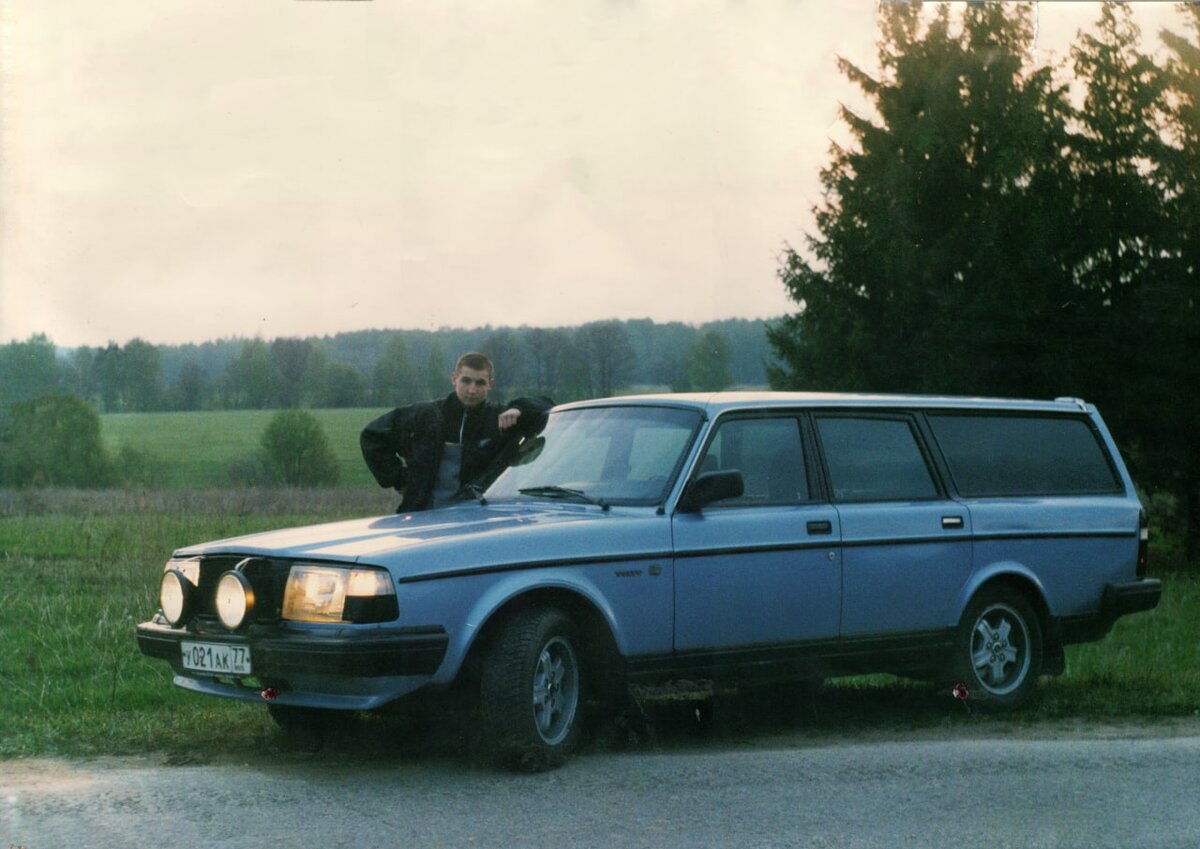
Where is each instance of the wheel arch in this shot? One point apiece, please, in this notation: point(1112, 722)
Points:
point(599, 644)
point(1024, 582)
point(1016, 578)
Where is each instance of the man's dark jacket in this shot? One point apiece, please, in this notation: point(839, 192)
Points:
point(417, 433)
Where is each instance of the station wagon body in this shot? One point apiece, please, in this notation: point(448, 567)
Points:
point(738, 537)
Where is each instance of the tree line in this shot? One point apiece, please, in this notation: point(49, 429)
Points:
point(994, 228)
point(386, 367)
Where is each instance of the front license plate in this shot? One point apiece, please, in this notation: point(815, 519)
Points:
point(216, 657)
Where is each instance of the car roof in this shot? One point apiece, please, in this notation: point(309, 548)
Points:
point(715, 403)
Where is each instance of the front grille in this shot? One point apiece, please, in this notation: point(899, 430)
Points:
point(267, 576)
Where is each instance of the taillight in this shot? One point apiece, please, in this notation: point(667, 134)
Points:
point(1143, 544)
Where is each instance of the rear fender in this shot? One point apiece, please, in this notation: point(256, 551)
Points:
point(1011, 572)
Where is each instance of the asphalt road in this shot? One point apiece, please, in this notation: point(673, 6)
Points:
point(1086, 788)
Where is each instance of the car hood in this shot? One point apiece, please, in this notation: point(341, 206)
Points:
point(464, 538)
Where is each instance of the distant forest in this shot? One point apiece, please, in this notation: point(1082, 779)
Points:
point(389, 367)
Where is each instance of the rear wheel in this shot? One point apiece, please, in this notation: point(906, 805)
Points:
point(998, 650)
point(531, 690)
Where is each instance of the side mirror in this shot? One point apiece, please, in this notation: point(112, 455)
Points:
point(712, 486)
point(529, 449)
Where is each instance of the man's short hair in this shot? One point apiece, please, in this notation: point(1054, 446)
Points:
point(477, 361)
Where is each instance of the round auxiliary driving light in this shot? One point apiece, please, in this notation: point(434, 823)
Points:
point(235, 599)
point(176, 595)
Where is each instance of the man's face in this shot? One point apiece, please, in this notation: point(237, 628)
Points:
point(471, 386)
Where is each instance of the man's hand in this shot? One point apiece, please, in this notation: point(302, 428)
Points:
point(509, 418)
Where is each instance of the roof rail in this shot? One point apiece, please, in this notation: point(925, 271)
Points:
point(1078, 402)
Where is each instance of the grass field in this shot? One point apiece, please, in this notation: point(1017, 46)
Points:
point(78, 571)
point(196, 449)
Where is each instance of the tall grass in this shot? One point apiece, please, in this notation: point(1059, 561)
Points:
point(78, 571)
point(1149, 665)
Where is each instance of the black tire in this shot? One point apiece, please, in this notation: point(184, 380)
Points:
point(998, 650)
point(531, 691)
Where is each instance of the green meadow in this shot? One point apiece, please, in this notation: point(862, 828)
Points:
point(196, 449)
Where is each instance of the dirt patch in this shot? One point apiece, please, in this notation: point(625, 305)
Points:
point(41, 775)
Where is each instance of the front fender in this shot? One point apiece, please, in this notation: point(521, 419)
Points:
point(509, 588)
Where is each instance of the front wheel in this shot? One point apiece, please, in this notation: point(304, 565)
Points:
point(531, 691)
point(998, 650)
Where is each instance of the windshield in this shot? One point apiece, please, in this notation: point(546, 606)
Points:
point(609, 455)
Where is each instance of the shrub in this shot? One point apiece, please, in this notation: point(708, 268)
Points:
point(138, 468)
point(53, 441)
point(298, 451)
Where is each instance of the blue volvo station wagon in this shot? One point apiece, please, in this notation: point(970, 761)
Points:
point(745, 538)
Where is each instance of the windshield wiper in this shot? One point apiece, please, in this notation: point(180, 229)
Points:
point(563, 491)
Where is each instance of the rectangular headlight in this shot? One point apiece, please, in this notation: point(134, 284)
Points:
point(331, 594)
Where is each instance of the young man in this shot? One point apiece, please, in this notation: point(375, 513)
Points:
point(428, 450)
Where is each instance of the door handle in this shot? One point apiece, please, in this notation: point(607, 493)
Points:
point(822, 527)
point(952, 523)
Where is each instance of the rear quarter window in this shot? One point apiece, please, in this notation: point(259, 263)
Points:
point(874, 459)
point(998, 455)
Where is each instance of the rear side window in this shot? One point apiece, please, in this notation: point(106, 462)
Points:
point(874, 459)
point(1023, 455)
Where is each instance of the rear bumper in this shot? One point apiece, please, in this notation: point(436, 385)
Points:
point(1133, 597)
point(1117, 601)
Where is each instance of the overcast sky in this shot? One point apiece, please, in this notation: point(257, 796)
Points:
point(184, 170)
